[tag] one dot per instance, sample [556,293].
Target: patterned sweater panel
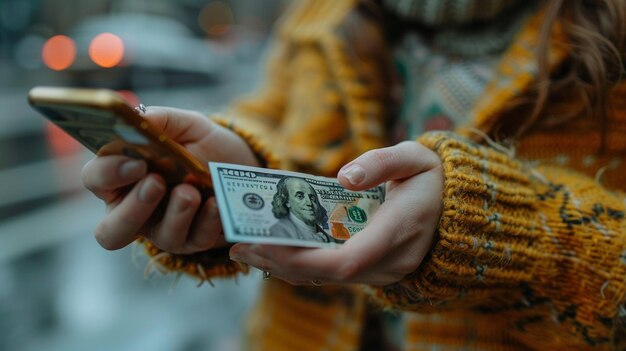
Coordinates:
[543,245]
[323,101]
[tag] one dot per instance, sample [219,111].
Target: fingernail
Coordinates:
[133,169]
[183,201]
[150,190]
[353,173]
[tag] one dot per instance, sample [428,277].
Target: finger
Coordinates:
[102,175]
[392,245]
[295,275]
[348,264]
[392,163]
[120,227]
[415,219]
[249,252]
[169,122]
[206,232]
[171,232]
[264,258]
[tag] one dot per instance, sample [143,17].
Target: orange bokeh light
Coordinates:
[59,52]
[106,50]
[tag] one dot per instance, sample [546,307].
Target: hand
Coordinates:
[392,245]
[132,195]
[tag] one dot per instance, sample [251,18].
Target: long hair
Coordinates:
[596,34]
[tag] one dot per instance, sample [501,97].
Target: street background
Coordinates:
[59,290]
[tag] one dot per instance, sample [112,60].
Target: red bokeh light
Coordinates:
[60,142]
[59,52]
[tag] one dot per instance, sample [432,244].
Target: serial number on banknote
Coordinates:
[259,205]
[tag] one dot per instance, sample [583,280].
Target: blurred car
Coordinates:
[156,51]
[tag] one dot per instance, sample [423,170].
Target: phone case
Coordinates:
[106,124]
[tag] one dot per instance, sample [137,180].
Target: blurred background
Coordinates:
[59,290]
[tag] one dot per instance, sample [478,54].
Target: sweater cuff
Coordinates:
[267,157]
[213,263]
[486,237]
[202,265]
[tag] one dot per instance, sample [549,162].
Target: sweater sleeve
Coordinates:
[325,95]
[542,245]
[212,263]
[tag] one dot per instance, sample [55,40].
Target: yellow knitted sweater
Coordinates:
[531,249]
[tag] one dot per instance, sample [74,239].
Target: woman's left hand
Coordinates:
[392,245]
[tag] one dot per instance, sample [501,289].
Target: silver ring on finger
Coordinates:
[141,108]
[267,275]
[316,282]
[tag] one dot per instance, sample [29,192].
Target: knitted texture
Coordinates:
[529,255]
[213,263]
[458,330]
[202,266]
[450,12]
[322,104]
[326,88]
[439,89]
[289,318]
[584,146]
[516,71]
[543,247]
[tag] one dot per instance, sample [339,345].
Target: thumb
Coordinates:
[181,125]
[396,162]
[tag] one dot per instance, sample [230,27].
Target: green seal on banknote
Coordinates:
[357,214]
[305,210]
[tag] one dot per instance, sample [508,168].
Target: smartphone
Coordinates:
[104,122]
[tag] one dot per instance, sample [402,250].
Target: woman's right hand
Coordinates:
[132,195]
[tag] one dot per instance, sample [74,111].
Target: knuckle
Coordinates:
[381,158]
[410,145]
[405,267]
[205,234]
[189,194]
[297,282]
[165,241]
[203,241]
[165,245]
[128,219]
[388,158]
[189,249]
[295,264]
[390,278]
[348,270]
[397,276]
[429,157]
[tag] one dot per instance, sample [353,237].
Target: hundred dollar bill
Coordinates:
[259,205]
